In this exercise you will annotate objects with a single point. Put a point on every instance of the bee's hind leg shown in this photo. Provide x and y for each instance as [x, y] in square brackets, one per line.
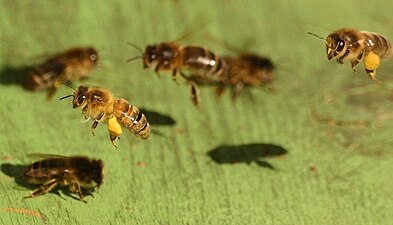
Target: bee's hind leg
[114, 129]
[45, 188]
[371, 63]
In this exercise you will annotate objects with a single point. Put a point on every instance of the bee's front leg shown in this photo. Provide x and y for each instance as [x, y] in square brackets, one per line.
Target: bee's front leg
[76, 188]
[96, 121]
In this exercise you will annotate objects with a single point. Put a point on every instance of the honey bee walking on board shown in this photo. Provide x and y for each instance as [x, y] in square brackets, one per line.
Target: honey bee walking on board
[352, 45]
[101, 105]
[76, 172]
[72, 65]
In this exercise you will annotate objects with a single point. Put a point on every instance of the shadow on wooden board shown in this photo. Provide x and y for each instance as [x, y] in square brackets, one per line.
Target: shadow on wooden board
[14, 75]
[159, 119]
[248, 153]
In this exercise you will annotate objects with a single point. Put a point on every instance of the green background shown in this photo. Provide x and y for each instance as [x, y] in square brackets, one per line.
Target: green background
[330, 174]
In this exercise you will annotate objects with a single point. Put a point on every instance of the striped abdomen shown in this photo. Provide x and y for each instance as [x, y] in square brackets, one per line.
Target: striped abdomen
[377, 43]
[203, 62]
[45, 170]
[130, 117]
[44, 76]
[249, 69]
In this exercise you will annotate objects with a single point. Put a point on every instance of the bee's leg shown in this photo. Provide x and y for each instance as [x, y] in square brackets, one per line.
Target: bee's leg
[356, 61]
[341, 59]
[174, 74]
[237, 89]
[220, 90]
[96, 121]
[371, 63]
[114, 129]
[45, 188]
[52, 90]
[76, 188]
[195, 98]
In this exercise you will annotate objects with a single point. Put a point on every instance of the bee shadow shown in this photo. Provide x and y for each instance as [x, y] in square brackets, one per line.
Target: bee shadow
[16, 172]
[14, 75]
[156, 118]
[248, 153]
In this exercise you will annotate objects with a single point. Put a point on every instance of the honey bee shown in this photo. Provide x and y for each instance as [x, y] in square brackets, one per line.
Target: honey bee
[72, 65]
[76, 172]
[101, 105]
[245, 70]
[169, 56]
[175, 58]
[352, 45]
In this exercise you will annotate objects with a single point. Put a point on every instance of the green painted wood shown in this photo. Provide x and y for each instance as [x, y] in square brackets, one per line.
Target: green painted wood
[330, 174]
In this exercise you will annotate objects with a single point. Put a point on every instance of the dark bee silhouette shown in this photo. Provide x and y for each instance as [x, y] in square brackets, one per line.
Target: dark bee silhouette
[101, 105]
[76, 172]
[352, 45]
[72, 65]
[248, 153]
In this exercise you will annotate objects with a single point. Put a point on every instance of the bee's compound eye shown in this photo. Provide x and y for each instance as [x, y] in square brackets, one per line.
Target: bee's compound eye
[81, 98]
[340, 46]
[93, 57]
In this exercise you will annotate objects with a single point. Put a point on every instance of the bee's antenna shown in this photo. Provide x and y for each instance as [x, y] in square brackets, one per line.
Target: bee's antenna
[133, 58]
[139, 50]
[66, 97]
[136, 47]
[316, 35]
[67, 84]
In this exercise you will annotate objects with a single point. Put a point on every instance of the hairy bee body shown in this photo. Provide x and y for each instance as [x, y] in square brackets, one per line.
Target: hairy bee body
[175, 58]
[352, 45]
[72, 65]
[244, 70]
[76, 172]
[130, 117]
[248, 69]
[101, 105]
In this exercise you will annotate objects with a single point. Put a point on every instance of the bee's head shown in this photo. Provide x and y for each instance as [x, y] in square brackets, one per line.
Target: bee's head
[150, 56]
[334, 45]
[162, 55]
[80, 96]
[91, 55]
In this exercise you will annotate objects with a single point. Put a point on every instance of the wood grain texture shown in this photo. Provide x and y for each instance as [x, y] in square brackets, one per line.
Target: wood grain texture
[330, 174]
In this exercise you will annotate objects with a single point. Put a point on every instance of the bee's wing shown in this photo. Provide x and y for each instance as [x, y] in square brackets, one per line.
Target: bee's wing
[40, 156]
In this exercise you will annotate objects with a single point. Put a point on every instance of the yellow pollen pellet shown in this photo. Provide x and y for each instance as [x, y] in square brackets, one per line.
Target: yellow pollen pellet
[114, 127]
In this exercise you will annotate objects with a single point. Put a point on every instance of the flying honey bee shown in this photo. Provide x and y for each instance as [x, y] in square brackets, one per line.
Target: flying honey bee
[170, 56]
[352, 45]
[206, 67]
[72, 65]
[76, 172]
[245, 70]
[101, 105]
